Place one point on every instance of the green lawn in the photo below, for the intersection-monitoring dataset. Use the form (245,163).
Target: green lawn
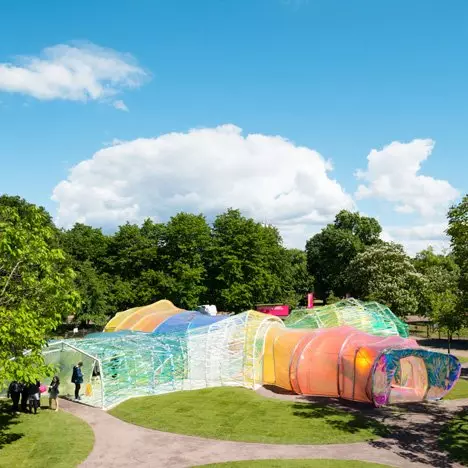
(319,463)
(47,439)
(459,391)
(454,438)
(462,359)
(242,415)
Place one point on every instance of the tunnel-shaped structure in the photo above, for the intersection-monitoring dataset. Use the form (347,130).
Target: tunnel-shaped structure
(189,350)
(369,317)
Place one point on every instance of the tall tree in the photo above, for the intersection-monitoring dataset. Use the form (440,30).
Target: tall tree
(296,279)
(187,239)
(384,273)
(330,251)
(246,261)
(458,232)
(36,288)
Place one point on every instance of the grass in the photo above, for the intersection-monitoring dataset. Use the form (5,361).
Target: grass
(454,438)
(319,463)
(459,391)
(242,415)
(462,359)
(43,440)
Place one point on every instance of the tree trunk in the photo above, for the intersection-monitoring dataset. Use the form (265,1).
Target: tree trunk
(449,340)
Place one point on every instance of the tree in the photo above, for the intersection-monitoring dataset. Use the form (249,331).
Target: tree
(85,244)
(442,276)
(297,282)
(97,304)
(186,240)
(458,232)
(384,273)
(246,263)
(330,251)
(36,288)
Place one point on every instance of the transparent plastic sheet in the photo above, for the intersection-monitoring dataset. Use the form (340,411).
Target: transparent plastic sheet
(369,317)
(190,350)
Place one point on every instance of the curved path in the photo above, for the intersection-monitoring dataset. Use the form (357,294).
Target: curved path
(119,444)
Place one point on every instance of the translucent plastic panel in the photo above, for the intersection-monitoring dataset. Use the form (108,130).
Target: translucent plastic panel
(151,321)
(317,364)
(369,317)
(64,358)
(118,319)
(161,308)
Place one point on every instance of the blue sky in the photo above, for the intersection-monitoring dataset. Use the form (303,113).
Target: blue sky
(340,78)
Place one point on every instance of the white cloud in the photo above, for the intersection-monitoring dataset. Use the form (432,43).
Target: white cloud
(120,105)
(205,170)
(75,72)
(419,237)
(393,175)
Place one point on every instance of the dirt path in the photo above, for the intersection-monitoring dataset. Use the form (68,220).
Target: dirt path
(119,444)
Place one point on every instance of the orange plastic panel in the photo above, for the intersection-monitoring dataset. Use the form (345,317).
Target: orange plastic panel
(317,372)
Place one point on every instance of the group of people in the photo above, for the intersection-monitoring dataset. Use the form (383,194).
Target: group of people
(30,395)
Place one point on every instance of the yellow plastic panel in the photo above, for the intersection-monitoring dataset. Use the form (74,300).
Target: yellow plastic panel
(118,319)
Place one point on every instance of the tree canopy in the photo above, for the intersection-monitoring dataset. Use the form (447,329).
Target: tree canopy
(36,288)
(330,251)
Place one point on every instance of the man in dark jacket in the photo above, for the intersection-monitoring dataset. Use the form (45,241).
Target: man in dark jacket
(24,397)
(77,379)
(14,391)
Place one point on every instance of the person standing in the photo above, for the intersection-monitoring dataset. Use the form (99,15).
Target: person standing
(54,392)
(24,397)
(77,379)
(14,391)
(34,396)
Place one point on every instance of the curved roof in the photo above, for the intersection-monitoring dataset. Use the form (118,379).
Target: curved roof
(369,317)
(144,319)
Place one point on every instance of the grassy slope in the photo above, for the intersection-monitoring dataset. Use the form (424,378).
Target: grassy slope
(454,438)
(48,439)
(319,463)
(459,391)
(241,414)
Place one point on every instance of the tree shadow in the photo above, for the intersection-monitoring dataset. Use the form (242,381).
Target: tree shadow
(410,430)
(443,343)
(7,420)
(415,435)
(454,437)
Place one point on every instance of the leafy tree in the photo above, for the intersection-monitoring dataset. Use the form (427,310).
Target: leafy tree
(458,232)
(384,273)
(36,288)
(246,264)
(330,251)
(296,279)
(442,276)
(85,244)
(97,304)
(187,239)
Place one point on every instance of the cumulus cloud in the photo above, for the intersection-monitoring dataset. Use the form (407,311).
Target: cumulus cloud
(204,170)
(419,237)
(393,175)
(75,72)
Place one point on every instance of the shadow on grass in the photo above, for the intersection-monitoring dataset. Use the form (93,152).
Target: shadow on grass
(7,420)
(454,437)
(442,344)
(410,430)
(357,414)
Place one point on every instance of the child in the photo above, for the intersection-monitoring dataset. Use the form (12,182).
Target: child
(54,392)
(34,396)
